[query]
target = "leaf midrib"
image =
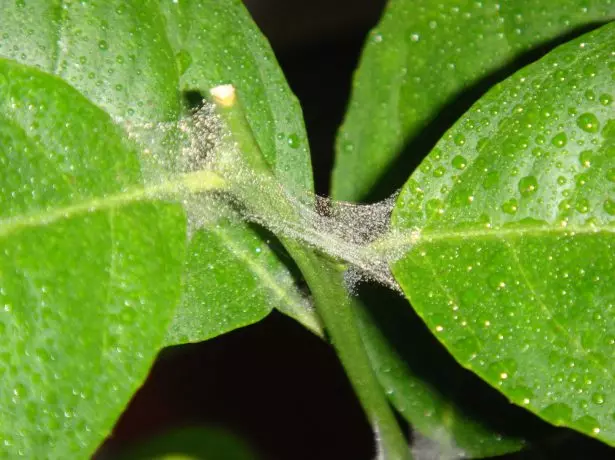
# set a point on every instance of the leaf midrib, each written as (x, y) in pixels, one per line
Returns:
(416, 237)
(195, 182)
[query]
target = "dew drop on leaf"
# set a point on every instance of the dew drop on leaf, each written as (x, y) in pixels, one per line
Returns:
(459, 162)
(585, 158)
(582, 205)
(459, 140)
(293, 141)
(588, 122)
(439, 171)
(590, 70)
(609, 207)
(605, 99)
(434, 206)
(559, 140)
(510, 206)
(528, 186)
(598, 398)
(558, 412)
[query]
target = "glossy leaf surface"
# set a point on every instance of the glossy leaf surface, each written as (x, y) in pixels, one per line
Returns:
(217, 43)
(253, 280)
(143, 62)
(513, 269)
(428, 59)
(132, 61)
(445, 403)
(89, 275)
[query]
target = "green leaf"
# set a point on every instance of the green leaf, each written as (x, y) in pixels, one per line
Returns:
(89, 270)
(216, 42)
(453, 408)
(121, 57)
(253, 278)
(513, 265)
(138, 61)
(422, 66)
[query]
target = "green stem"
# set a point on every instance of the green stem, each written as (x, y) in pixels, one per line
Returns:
(325, 279)
(336, 307)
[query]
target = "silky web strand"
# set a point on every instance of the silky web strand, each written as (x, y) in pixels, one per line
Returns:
(356, 234)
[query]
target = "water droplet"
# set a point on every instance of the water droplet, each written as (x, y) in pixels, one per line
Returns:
(588, 425)
(293, 141)
(528, 186)
(559, 140)
(348, 146)
(434, 206)
(585, 158)
(590, 70)
(588, 122)
(609, 207)
(439, 171)
(510, 207)
(610, 174)
(459, 162)
(582, 205)
(605, 99)
(598, 398)
(103, 45)
(558, 413)
(590, 95)
(459, 140)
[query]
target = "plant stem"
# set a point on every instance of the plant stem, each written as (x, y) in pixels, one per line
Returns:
(335, 306)
(325, 279)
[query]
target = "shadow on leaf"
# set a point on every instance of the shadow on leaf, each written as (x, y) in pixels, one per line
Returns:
(417, 148)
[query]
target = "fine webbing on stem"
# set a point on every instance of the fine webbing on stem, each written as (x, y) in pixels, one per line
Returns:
(217, 138)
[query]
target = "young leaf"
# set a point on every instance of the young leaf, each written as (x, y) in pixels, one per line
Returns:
(216, 42)
(423, 64)
(89, 268)
(513, 269)
(135, 60)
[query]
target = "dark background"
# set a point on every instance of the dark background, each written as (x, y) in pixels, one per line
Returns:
(274, 384)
